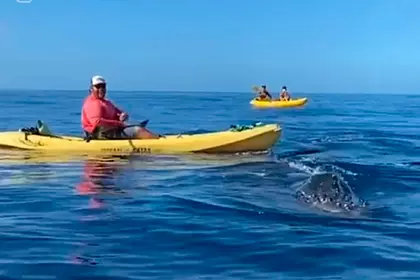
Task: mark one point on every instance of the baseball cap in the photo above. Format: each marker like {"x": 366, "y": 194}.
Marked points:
{"x": 96, "y": 80}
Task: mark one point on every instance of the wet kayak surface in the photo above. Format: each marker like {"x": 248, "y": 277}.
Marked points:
{"x": 336, "y": 197}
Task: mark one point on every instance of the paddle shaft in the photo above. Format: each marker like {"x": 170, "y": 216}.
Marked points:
{"x": 142, "y": 124}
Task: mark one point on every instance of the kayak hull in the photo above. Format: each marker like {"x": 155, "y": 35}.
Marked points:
{"x": 256, "y": 139}
{"x": 279, "y": 103}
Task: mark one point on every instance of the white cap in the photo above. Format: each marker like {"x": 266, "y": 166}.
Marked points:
{"x": 96, "y": 80}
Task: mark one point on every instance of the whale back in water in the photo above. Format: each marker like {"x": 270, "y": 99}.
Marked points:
{"x": 328, "y": 192}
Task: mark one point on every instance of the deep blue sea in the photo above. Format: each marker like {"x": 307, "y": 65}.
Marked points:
{"x": 216, "y": 217}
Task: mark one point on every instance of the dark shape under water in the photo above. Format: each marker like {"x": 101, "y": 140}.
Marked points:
{"x": 329, "y": 193}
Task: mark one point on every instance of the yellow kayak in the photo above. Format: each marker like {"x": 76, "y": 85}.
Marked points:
{"x": 279, "y": 103}
{"x": 253, "y": 138}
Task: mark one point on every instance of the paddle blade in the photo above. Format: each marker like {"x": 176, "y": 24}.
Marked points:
{"x": 255, "y": 88}
{"x": 144, "y": 123}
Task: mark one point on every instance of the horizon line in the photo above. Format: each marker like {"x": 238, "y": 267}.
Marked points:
{"x": 204, "y": 91}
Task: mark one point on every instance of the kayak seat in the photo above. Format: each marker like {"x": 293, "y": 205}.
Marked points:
{"x": 102, "y": 134}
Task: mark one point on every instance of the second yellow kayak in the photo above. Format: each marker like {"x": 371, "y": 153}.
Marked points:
{"x": 279, "y": 103}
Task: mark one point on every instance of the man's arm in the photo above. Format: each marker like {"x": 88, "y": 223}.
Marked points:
{"x": 118, "y": 110}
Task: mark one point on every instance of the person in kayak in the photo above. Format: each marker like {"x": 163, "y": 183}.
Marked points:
{"x": 101, "y": 119}
{"x": 284, "y": 94}
{"x": 263, "y": 93}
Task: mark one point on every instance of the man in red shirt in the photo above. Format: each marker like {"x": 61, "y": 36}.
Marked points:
{"x": 103, "y": 120}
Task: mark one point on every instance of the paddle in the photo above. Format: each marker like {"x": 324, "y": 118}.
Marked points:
{"x": 142, "y": 124}
{"x": 255, "y": 89}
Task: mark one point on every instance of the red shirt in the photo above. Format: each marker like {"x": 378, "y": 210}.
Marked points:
{"x": 99, "y": 112}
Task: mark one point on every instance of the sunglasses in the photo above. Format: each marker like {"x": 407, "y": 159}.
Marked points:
{"x": 100, "y": 86}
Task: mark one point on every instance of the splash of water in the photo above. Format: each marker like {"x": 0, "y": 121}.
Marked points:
{"x": 330, "y": 193}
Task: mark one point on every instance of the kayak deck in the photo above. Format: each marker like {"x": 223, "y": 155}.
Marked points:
{"x": 254, "y": 139}
{"x": 279, "y": 103}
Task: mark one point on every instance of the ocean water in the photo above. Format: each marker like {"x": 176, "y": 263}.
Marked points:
{"x": 217, "y": 217}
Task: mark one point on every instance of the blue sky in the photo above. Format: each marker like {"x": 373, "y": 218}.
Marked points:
{"x": 367, "y": 46}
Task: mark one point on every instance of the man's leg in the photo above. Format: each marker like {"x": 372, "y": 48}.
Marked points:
{"x": 136, "y": 132}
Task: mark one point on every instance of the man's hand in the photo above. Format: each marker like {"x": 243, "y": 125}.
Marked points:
{"x": 123, "y": 117}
